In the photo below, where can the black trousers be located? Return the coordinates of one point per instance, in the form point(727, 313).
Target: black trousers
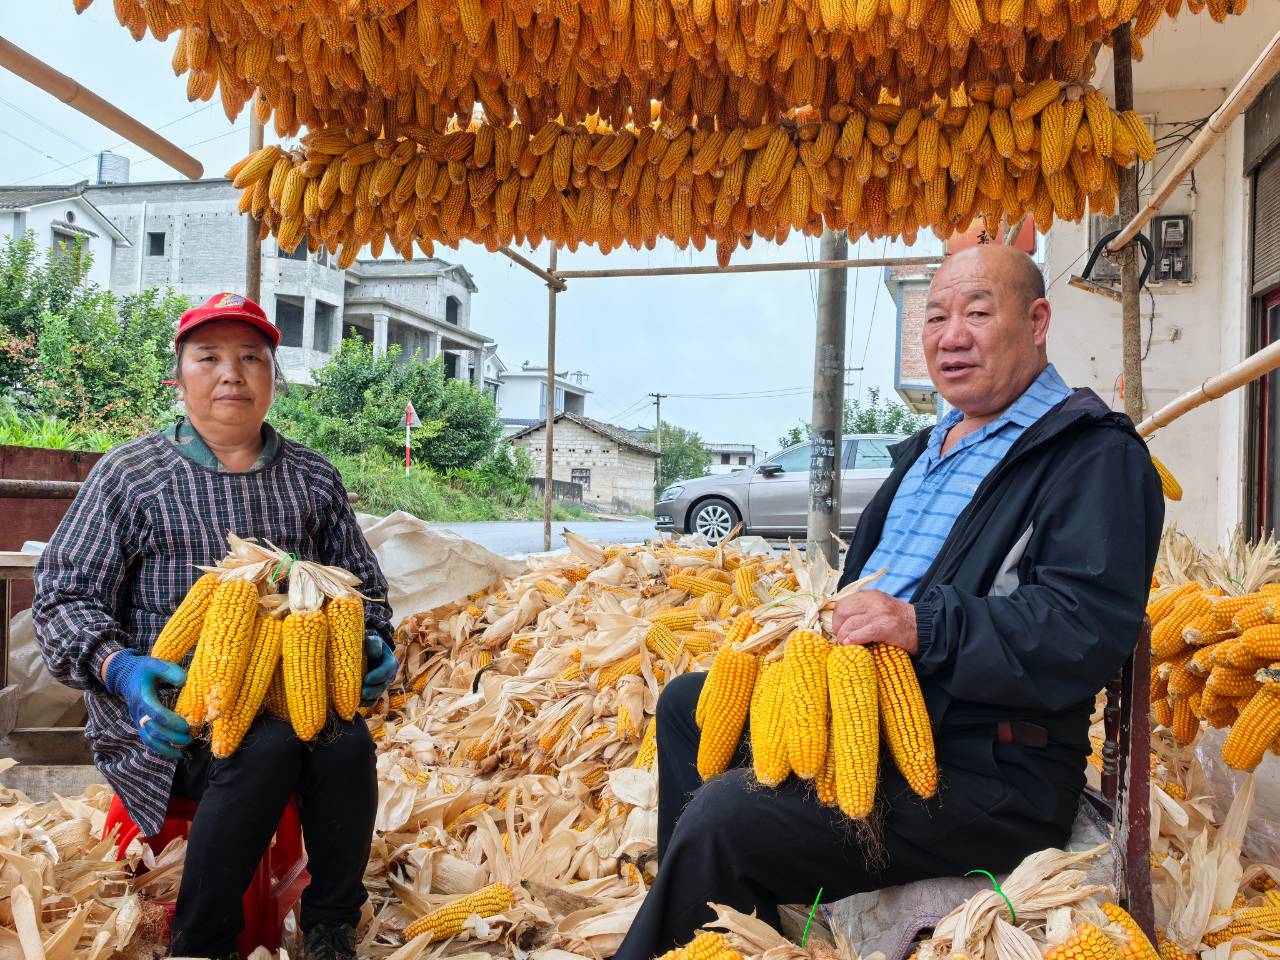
point(735, 842)
point(241, 799)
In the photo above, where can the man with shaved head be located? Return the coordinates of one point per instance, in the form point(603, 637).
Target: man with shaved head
point(1017, 540)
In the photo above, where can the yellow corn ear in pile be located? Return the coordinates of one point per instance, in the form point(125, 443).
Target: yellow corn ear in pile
point(447, 921)
point(345, 660)
point(183, 628)
point(768, 727)
point(1087, 942)
point(804, 663)
point(1166, 638)
point(1158, 608)
point(229, 728)
point(306, 641)
point(431, 62)
point(904, 719)
point(648, 745)
point(1257, 727)
point(855, 730)
point(729, 685)
point(276, 702)
point(1168, 482)
point(222, 652)
point(1136, 945)
point(824, 785)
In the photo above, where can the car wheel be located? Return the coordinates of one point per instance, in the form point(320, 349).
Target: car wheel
point(714, 518)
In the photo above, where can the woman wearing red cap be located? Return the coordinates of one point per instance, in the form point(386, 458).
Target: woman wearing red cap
point(117, 567)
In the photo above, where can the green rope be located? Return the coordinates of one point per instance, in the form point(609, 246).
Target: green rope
point(989, 876)
point(286, 562)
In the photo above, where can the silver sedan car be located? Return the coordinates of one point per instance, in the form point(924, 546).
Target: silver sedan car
point(772, 499)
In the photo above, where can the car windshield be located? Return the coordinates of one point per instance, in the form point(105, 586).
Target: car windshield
point(872, 455)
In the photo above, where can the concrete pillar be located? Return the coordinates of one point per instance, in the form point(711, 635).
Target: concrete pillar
point(175, 251)
point(380, 322)
point(435, 344)
point(308, 322)
point(477, 372)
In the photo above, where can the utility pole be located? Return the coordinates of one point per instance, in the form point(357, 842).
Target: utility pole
point(253, 246)
point(550, 411)
point(828, 403)
point(1130, 308)
point(657, 433)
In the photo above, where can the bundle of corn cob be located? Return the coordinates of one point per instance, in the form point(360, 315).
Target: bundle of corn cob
point(296, 654)
point(1213, 644)
point(817, 709)
point(989, 150)
point(374, 63)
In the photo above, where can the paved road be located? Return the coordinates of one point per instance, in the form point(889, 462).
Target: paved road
point(521, 536)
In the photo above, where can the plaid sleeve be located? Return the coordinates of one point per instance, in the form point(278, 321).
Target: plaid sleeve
point(78, 582)
point(344, 546)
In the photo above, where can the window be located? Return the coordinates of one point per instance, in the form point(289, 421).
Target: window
point(289, 322)
point(872, 455)
point(451, 310)
point(582, 476)
point(795, 460)
point(299, 252)
point(742, 461)
point(69, 247)
point(724, 459)
point(322, 338)
point(155, 244)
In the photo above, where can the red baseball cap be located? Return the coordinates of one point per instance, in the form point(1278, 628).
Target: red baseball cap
point(227, 306)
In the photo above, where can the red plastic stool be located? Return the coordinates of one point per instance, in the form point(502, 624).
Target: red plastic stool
point(276, 886)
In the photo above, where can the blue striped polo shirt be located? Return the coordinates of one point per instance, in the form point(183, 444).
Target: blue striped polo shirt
point(936, 489)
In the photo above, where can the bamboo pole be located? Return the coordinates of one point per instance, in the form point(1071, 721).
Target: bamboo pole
point(551, 279)
point(1130, 308)
point(1233, 378)
point(39, 73)
point(253, 229)
point(550, 411)
point(1266, 67)
point(748, 268)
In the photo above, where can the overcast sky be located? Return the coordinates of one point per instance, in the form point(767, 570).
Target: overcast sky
point(677, 335)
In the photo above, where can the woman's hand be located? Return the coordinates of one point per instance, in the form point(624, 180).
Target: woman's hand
point(381, 671)
point(871, 616)
point(138, 679)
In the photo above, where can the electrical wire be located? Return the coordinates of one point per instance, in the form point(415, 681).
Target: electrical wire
point(40, 123)
point(871, 326)
point(29, 146)
point(745, 395)
point(1151, 323)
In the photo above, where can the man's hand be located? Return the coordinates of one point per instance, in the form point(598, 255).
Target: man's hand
point(138, 680)
point(382, 669)
point(871, 616)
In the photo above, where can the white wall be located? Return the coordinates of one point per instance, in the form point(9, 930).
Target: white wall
point(518, 398)
point(40, 220)
point(1197, 330)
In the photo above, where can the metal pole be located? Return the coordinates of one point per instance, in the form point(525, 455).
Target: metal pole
point(1130, 309)
point(828, 404)
point(841, 264)
point(59, 85)
point(253, 247)
point(551, 401)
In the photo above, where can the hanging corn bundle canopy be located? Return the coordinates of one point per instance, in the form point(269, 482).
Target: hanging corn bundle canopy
point(622, 122)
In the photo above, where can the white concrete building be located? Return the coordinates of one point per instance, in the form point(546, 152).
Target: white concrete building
point(191, 236)
point(60, 216)
point(732, 457)
point(522, 395)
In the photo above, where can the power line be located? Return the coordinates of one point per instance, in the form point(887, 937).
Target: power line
point(884, 248)
point(36, 120)
point(745, 395)
point(30, 146)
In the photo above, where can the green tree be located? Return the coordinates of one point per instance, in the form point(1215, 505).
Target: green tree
point(71, 350)
point(358, 400)
point(683, 455)
point(876, 415)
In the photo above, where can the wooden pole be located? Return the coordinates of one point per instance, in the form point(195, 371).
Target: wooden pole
point(1130, 308)
point(57, 84)
point(1246, 91)
point(253, 246)
point(537, 271)
point(828, 404)
point(749, 268)
point(551, 401)
point(1233, 378)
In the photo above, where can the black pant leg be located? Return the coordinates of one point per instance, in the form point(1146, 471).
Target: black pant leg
point(338, 801)
point(678, 752)
point(238, 813)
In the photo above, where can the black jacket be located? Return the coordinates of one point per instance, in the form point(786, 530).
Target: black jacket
point(1037, 596)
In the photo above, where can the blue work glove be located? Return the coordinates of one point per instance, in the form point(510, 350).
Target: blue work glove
point(382, 669)
point(138, 679)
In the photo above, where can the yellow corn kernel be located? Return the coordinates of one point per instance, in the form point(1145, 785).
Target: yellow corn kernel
point(805, 676)
point(1257, 727)
point(1136, 945)
point(728, 689)
point(275, 702)
point(904, 719)
point(1166, 638)
point(183, 629)
point(231, 726)
point(661, 641)
point(306, 640)
point(768, 727)
point(222, 652)
point(648, 745)
point(744, 583)
point(447, 921)
point(345, 662)
point(1158, 608)
point(855, 731)
point(1086, 943)
point(610, 675)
